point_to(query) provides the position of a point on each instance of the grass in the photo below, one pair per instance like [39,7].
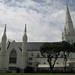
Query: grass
[37,73]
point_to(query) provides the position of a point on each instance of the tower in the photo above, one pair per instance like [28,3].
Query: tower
[68,34]
[24,50]
[3,48]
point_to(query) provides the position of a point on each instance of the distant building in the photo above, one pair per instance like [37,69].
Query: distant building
[27,54]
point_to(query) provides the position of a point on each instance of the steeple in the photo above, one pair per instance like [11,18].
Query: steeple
[68,17]
[24,50]
[4,39]
[5,29]
[25,34]
[69,32]
[3,48]
[68,22]
[25,28]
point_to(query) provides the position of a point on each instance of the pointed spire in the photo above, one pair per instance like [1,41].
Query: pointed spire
[68,23]
[5,29]
[68,16]
[25,28]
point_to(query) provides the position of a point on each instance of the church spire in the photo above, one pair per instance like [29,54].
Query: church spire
[24,50]
[68,16]
[5,29]
[25,28]
[69,32]
[68,23]
[3,41]
[3,47]
[25,34]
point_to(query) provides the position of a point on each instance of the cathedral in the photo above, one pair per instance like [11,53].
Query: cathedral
[22,54]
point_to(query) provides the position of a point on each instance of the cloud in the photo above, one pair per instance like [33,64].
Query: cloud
[44,18]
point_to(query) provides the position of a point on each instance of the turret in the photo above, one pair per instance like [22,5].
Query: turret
[3,42]
[3,48]
[24,50]
[24,43]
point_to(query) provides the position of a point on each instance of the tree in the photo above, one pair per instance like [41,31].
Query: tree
[52,51]
[73,48]
[71,64]
[66,48]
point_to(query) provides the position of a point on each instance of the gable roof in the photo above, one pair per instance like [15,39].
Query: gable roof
[31,46]
[34,46]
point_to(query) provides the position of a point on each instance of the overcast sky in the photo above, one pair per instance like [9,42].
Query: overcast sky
[44,18]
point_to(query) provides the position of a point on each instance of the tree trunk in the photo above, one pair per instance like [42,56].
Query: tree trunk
[50,64]
[65,66]
[51,69]
[65,63]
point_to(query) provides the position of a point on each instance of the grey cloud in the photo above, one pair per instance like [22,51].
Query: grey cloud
[44,21]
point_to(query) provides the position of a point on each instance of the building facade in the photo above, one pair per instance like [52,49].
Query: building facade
[22,54]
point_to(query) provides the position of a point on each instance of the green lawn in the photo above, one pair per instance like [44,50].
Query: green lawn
[37,74]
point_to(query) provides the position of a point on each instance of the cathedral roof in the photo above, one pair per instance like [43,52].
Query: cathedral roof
[31,46]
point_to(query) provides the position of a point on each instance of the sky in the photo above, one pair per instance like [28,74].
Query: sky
[45,19]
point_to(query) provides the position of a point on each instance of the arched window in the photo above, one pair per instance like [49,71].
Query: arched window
[13,57]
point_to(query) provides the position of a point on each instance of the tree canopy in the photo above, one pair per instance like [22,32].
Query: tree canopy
[52,51]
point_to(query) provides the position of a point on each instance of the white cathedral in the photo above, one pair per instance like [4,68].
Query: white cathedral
[22,54]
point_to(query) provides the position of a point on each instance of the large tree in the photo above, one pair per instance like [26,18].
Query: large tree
[66,48]
[51,51]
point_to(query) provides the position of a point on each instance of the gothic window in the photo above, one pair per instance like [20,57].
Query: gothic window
[13,57]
